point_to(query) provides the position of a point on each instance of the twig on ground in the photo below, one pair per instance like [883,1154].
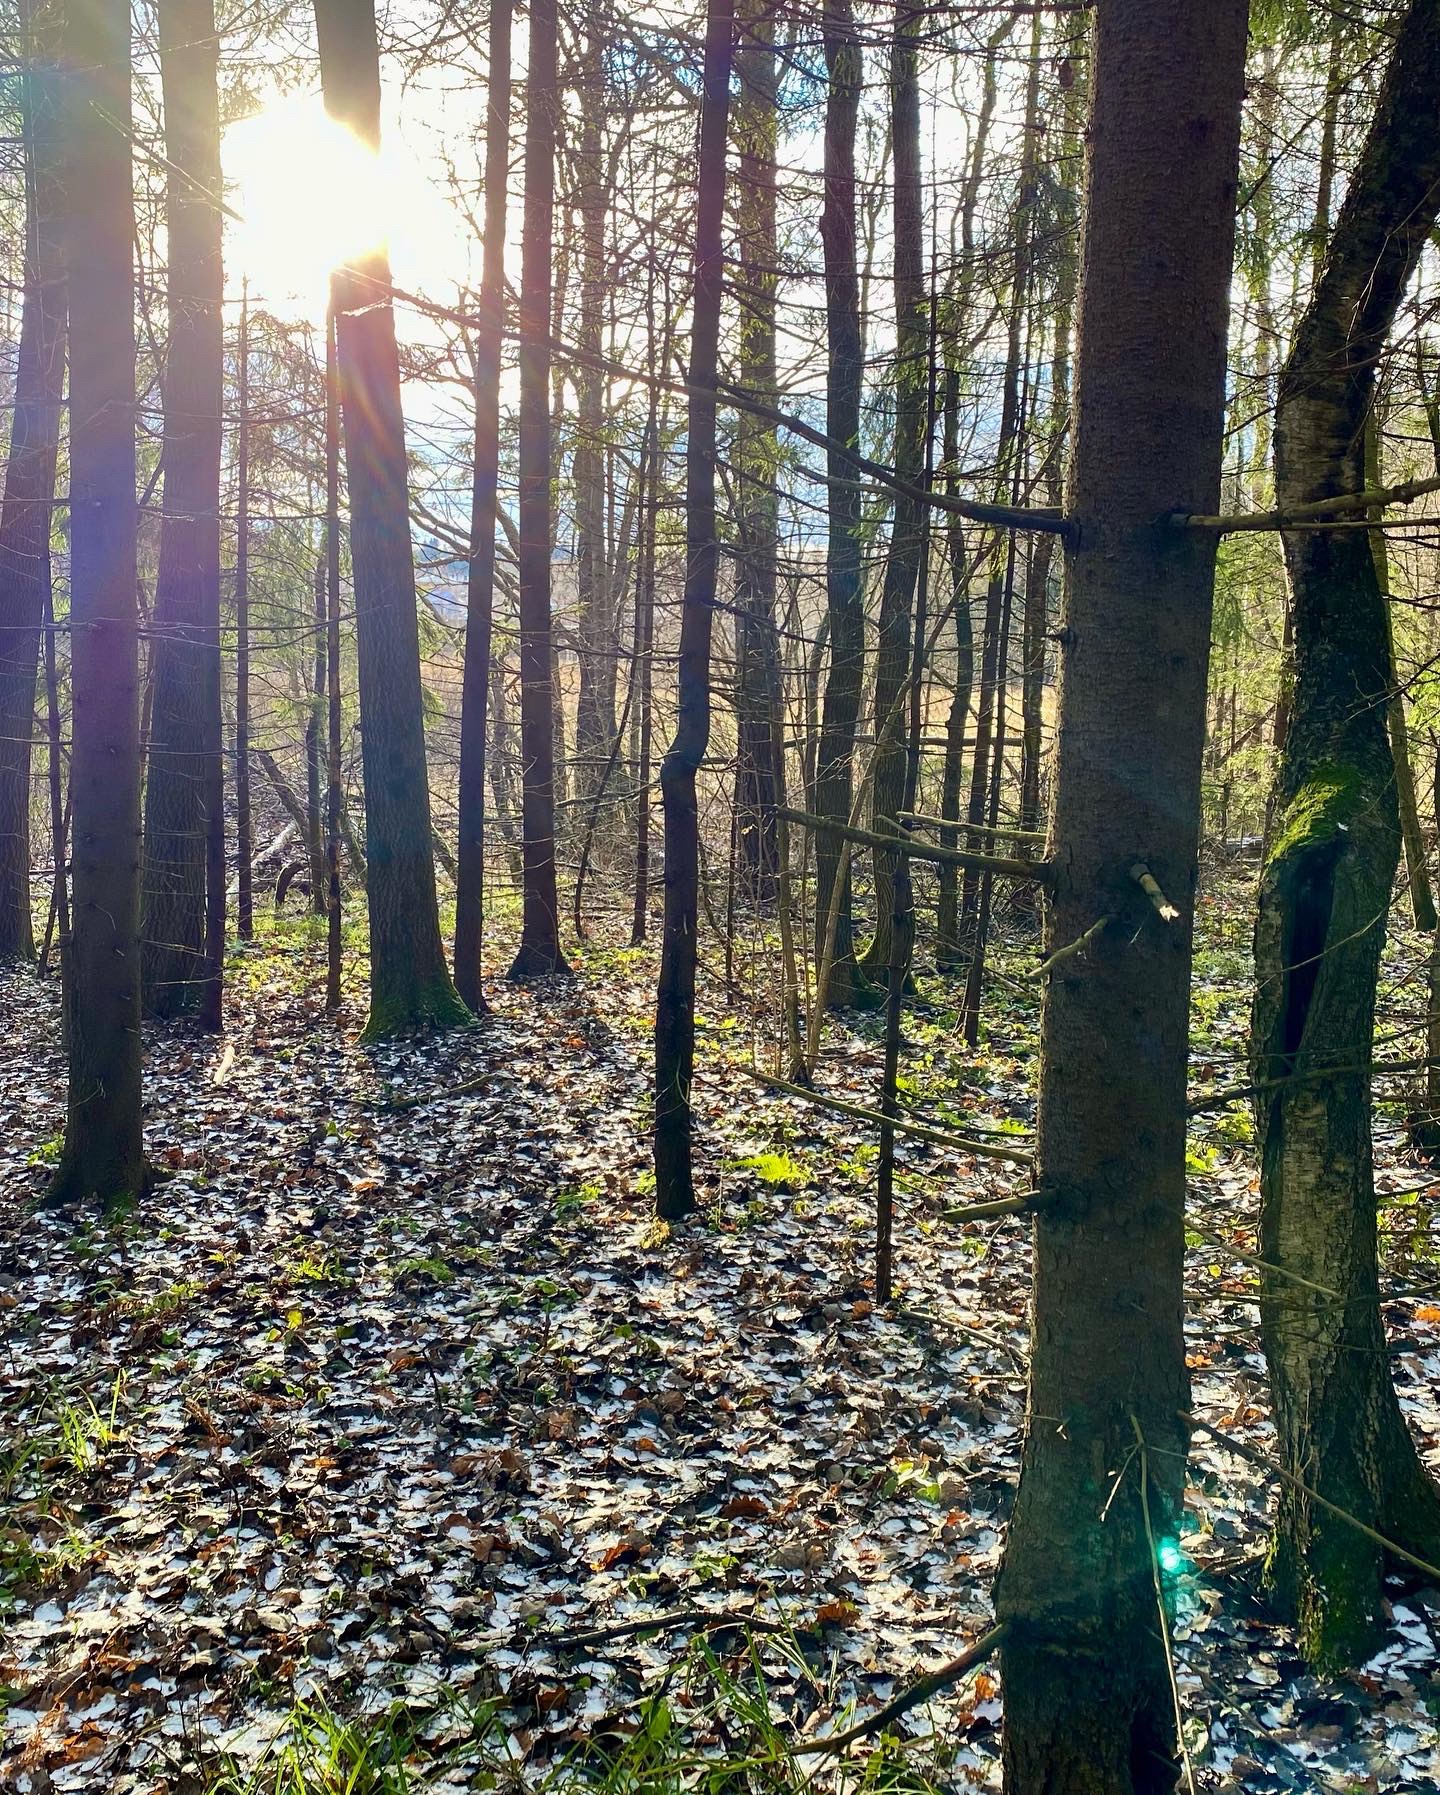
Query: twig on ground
[920,1690]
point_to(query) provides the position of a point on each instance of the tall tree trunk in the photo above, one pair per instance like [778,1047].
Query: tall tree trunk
[334,789]
[185,724]
[103,1161]
[948,953]
[844,594]
[643,667]
[30,468]
[539,952]
[1324,899]
[987,767]
[1319,239]
[1064,223]
[755,458]
[480,590]
[595,700]
[314,724]
[893,648]
[1088,1702]
[244,823]
[410,983]
[675,993]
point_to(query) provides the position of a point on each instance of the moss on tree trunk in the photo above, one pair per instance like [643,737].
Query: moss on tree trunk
[1324,903]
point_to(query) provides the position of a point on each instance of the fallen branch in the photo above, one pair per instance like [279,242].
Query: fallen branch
[956,1143]
[1242,1449]
[920,1690]
[698,1619]
[919,850]
[1237,1093]
[396,1104]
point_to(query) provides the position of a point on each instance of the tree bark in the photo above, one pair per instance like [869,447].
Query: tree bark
[595,700]
[846,985]
[1088,1706]
[755,459]
[539,952]
[675,993]
[410,986]
[893,649]
[185,723]
[1324,900]
[480,589]
[30,470]
[103,1161]
[334,789]
[244,822]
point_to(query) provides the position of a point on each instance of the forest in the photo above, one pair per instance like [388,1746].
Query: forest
[719,839]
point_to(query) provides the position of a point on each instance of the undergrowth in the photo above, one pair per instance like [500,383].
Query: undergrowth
[712,1727]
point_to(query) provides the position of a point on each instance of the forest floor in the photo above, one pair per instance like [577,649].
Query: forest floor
[358,1449]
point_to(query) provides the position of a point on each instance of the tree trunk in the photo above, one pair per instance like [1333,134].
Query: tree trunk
[103,1161]
[846,985]
[334,790]
[410,983]
[893,649]
[185,724]
[948,955]
[480,592]
[755,459]
[314,723]
[595,701]
[675,993]
[1324,899]
[244,823]
[539,952]
[643,667]
[1088,1703]
[30,469]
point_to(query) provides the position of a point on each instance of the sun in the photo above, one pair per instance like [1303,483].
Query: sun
[310,196]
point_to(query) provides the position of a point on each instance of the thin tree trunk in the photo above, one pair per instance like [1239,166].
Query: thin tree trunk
[30,469]
[480,591]
[185,724]
[675,992]
[1319,239]
[595,701]
[990,709]
[410,985]
[755,460]
[334,790]
[59,807]
[644,671]
[103,1161]
[948,952]
[244,824]
[539,952]
[1088,1702]
[1324,900]
[314,723]
[845,985]
[893,651]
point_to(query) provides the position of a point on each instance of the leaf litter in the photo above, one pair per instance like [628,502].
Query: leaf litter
[395,1397]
